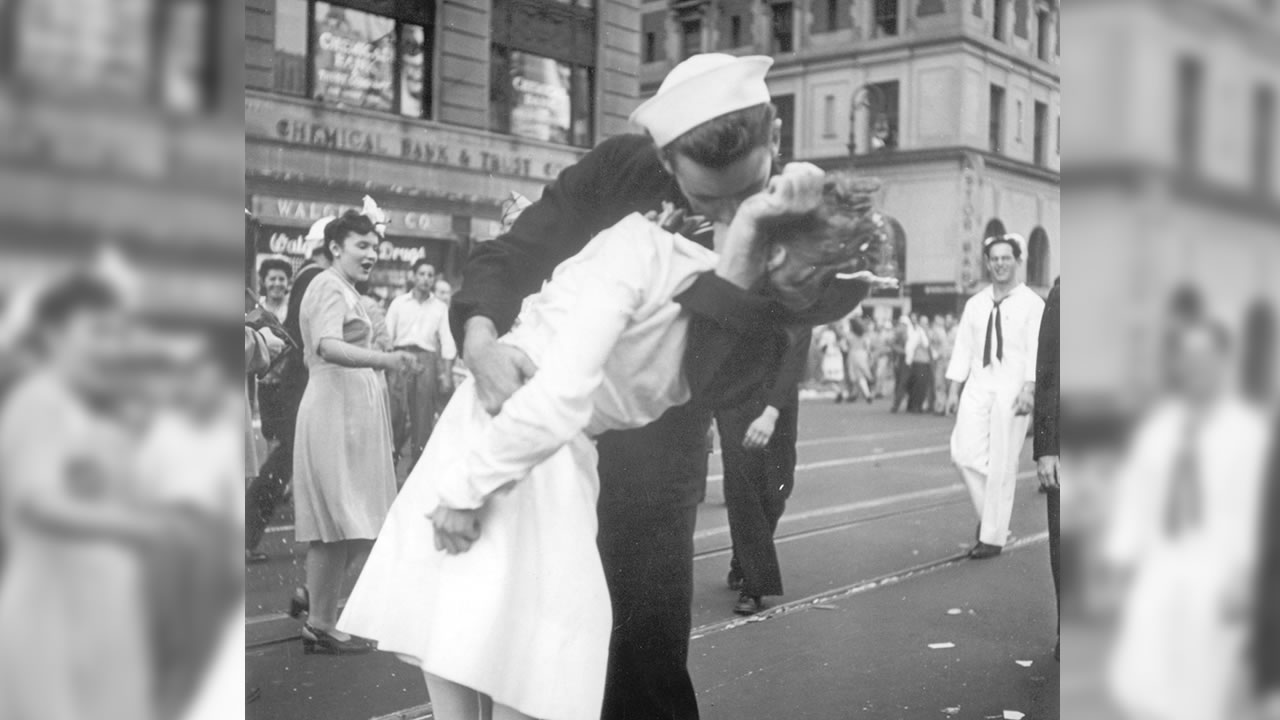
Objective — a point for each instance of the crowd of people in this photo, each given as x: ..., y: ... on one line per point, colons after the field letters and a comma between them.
x: 340, y: 419
x: 860, y: 358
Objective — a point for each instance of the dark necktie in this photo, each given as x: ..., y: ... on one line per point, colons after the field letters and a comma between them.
x: 1182, y: 510
x: 994, y: 319
x: 694, y: 227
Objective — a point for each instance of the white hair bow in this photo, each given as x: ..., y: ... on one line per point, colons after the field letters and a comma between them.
x: 375, y: 215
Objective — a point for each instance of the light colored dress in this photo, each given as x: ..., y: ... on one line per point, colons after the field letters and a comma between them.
x: 832, y: 357
x: 72, y: 610
x: 343, y: 478
x: 524, y: 615
x: 858, y: 361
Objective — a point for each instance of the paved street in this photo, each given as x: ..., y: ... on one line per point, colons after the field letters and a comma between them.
x: 871, y: 548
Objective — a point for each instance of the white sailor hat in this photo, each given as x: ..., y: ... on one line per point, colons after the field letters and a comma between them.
x: 703, y: 88
x: 315, y: 236
x: 316, y: 233
x: 1014, y: 238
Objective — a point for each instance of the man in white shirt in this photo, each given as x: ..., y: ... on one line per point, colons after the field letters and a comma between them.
x: 419, y: 323
x: 995, y: 359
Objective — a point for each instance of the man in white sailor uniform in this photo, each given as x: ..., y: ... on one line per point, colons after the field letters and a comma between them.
x: 995, y: 360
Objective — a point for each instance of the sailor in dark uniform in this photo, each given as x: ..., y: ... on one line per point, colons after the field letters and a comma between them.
x: 712, y: 142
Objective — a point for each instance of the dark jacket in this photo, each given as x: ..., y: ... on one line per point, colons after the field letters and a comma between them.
x: 1048, y: 377
x: 1266, y: 620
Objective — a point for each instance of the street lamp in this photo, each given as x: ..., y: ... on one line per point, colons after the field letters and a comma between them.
x: 879, y: 119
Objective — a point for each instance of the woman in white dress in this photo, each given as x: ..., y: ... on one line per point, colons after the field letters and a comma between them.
x: 832, y: 360
x: 518, y: 625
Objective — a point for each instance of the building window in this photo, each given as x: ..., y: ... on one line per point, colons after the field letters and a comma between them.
x: 540, y: 98
x: 830, y: 15
x: 829, y: 116
x: 786, y: 107
x: 1041, y: 129
x: 782, y: 27
x: 347, y: 56
x: 1018, y: 115
x: 1038, y: 258
x: 996, y: 129
x: 998, y: 19
x: 1042, y: 35
x: 1190, y: 99
x: 735, y: 31
x: 886, y: 18
x: 655, y: 37
x: 690, y: 38
x: 1264, y: 146
x: 1059, y: 151
x: 883, y: 99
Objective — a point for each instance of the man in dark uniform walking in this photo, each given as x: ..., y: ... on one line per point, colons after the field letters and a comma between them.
x: 712, y: 142
x: 758, y: 446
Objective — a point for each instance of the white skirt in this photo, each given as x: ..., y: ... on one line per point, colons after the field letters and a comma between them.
x: 833, y: 367
x: 524, y: 615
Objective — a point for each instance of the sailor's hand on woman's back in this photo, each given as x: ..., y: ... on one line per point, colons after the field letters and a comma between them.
x: 499, y: 369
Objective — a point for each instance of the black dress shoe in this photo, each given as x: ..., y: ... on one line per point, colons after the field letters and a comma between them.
x: 318, y: 642
x: 982, y: 551
x: 735, y: 581
x: 300, y: 603
x: 255, y: 557
x: 748, y: 604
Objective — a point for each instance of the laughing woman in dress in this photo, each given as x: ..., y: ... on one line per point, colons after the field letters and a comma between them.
x: 486, y: 574
x: 344, y: 481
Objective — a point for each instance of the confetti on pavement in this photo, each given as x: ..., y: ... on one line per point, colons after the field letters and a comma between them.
x: 941, y: 646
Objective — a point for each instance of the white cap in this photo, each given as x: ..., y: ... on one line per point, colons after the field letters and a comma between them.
x: 703, y: 88
x: 316, y: 233
x: 1020, y: 241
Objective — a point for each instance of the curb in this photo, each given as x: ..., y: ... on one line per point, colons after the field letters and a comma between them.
x: 260, y: 630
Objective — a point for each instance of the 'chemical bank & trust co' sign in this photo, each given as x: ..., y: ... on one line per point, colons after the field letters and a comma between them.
x: 438, y: 147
